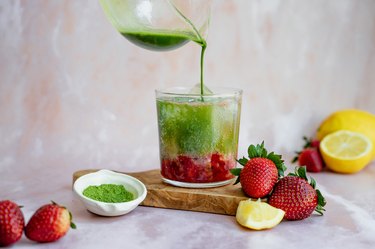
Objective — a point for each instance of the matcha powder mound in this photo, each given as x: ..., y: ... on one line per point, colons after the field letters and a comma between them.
x: 108, y: 193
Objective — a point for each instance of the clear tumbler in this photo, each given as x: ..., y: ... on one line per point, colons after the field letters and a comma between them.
x: 198, y: 135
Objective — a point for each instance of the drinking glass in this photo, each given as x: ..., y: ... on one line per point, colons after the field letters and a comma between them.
x: 198, y: 135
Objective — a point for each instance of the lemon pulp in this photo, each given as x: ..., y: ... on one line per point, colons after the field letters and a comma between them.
x: 258, y: 215
x: 346, y: 151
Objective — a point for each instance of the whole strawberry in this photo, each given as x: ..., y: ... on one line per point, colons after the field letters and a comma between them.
x: 310, y: 156
x: 49, y: 223
x: 260, y: 172
x: 11, y: 223
x: 296, y: 196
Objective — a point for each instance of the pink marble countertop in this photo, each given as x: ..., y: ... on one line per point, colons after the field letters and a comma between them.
x: 349, y: 221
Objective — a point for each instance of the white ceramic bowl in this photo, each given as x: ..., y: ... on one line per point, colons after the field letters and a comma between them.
x: 133, y: 185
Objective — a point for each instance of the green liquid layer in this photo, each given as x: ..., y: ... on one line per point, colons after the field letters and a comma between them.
x: 198, y: 128
x: 157, y: 41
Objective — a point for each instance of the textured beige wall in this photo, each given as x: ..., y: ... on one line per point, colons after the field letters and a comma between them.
x: 74, y: 93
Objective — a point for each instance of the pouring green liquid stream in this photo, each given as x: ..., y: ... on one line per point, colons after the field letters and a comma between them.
x: 200, y: 41
x: 167, y: 41
x: 122, y: 14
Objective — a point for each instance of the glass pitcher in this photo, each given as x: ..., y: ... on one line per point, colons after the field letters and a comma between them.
x: 159, y: 25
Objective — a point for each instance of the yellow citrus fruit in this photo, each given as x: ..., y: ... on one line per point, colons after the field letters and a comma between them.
x: 258, y: 215
x: 346, y: 151
x: 352, y: 120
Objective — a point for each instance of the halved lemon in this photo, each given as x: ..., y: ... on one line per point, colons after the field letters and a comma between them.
x: 258, y: 215
x: 351, y: 120
x: 346, y: 151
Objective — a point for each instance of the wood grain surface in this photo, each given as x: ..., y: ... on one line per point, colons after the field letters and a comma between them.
x: 220, y: 200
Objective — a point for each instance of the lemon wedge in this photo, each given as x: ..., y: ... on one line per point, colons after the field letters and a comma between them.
x: 258, y: 215
x: 346, y: 151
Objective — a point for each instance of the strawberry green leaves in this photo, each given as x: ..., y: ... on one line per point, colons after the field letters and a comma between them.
x: 255, y: 151
x: 236, y: 172
x: 321, y: 203
x: 242, y: 161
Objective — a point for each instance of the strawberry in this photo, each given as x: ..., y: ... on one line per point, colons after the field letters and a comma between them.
x: 49, y: 223
x: 260, y: 172
x: 311, y: 143
x: 310, y: 156
x: 314, y: 143
x: 296, y: 196
x: 312, y: 159
x: 11, y: 223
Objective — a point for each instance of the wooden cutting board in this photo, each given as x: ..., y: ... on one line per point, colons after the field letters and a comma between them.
x: 220, y: 200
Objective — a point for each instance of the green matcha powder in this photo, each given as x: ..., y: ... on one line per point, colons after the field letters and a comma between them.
x: 111, y: 193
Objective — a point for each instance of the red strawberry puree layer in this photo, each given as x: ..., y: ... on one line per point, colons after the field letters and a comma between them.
x: 185, y: 168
